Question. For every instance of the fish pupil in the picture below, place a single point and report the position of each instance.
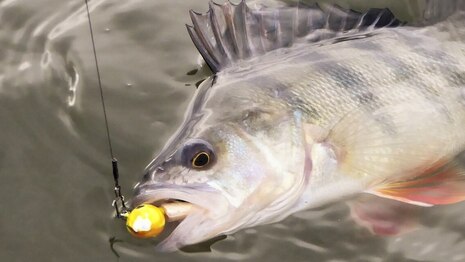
(201, 159)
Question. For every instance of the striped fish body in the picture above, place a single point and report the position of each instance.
(378, 110)
(364, 73)
(376, 83)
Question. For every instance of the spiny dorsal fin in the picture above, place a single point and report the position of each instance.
(438, 10)
(228, 33)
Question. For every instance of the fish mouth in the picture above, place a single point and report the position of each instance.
(203, 220)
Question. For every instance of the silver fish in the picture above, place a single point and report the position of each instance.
(310, 104)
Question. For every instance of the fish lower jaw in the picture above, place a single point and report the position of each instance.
(191, 216)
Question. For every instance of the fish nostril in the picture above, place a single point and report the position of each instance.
(147, 177)
(153, 173)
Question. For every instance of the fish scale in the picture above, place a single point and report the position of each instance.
(370, 75)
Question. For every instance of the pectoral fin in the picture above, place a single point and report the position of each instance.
(436, 186)
(412, 152)
(393, 141)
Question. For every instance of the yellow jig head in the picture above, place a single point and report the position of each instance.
(146, 221)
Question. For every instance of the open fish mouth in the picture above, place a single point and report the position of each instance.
(199, 220)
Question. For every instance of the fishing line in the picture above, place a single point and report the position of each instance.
(146, 220)
(118, 202)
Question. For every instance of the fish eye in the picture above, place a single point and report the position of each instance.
(196, 154)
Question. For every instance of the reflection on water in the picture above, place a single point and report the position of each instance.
(56, 184)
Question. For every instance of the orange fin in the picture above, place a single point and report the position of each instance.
(384, 217)
(436, 186)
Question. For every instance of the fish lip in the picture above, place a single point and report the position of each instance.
(194, 194)
(209, 205)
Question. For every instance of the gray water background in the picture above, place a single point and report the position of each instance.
(55, 176)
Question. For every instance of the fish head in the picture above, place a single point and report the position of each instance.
(234, 172)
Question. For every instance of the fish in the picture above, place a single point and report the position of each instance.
(310, 104)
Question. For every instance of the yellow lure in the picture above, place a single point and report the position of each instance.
(145, 221)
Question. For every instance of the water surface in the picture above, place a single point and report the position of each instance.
(56, 184)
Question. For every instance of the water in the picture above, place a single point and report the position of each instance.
(56, 184)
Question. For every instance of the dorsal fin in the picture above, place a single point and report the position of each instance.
(228, 33)
(438, 10)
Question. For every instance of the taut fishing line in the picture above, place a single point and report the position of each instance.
(137, 219)
(145, 220)
(118, 202)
